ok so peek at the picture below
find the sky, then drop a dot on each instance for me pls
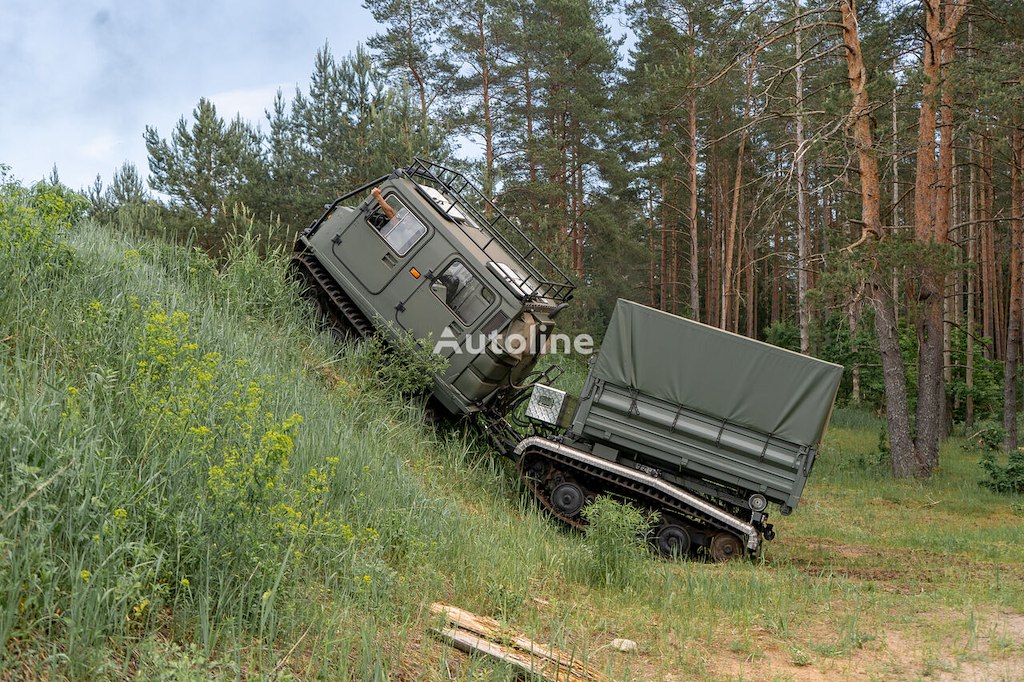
(81, 79)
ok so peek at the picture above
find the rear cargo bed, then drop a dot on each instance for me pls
(706, 405)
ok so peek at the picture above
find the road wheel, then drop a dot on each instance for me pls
(672, 541)
(725, 546)
(568, 498)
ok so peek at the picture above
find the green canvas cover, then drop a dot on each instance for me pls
(724, 375)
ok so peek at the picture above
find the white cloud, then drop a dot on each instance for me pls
(249, 103)
(83, 78)
(101, 147)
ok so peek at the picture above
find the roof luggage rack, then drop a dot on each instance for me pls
(543, 278)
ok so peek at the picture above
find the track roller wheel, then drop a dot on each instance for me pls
(672, 541)
(568, 498)
(536, 469)
(725, 546)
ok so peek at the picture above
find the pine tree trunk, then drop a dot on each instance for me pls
(651, 251)
(931, 285)
(776, 274)
(417, 76)
(1017, 217)
(853, 322)
(713, 289)
(1011, 363)
(728, 288)
(989, 300)
(692, 212)
(897, 409)
(734, 314)
(998, 283)
(673, 259)
(528, 112)
(802, 221)
(895, 163)
(944, 225)
(664, 265)
(485, 76)
(896, 406)
(578, 218)
(931, 220)
(1013, 336)
(751, 291)
(972, 279)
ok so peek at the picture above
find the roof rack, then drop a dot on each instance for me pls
(545, 279)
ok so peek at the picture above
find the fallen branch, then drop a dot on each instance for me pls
(471, 633)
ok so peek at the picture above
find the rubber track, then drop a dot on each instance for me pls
(615, 484)
(318, 276)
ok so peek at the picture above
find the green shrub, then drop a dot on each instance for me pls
(403, 364)
(783, 334)
(615, 544)
(32, 227)
(988, 436)
(1004, 478)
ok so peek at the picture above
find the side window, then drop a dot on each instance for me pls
(462, 291)
(401, 231)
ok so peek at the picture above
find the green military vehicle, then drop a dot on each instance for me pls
(704, 427)
(424, 252)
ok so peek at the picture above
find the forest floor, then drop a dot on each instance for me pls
(116, 563)
(870, 579)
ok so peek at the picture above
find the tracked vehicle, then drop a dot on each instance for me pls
(704, 427)
(424, 252)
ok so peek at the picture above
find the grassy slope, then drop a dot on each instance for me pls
(118, 560)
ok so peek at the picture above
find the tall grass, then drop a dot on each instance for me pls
(192, 460)
(160, 478)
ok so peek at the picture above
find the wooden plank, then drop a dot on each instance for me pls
(479, 634)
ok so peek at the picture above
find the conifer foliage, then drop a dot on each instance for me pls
(724, 161)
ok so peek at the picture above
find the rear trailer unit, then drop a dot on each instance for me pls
(703, 426)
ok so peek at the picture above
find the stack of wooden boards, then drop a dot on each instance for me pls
(471, 633)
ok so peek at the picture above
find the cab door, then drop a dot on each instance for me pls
(375, 244)
(448, 301)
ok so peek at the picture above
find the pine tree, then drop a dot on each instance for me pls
(206, 163)
(564, 70)
(350, 125)
(321, 120)
(409, 46)
(658, 80)
(473, 44)
(127, 186)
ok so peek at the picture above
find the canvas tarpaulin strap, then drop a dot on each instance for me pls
(723, 375)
